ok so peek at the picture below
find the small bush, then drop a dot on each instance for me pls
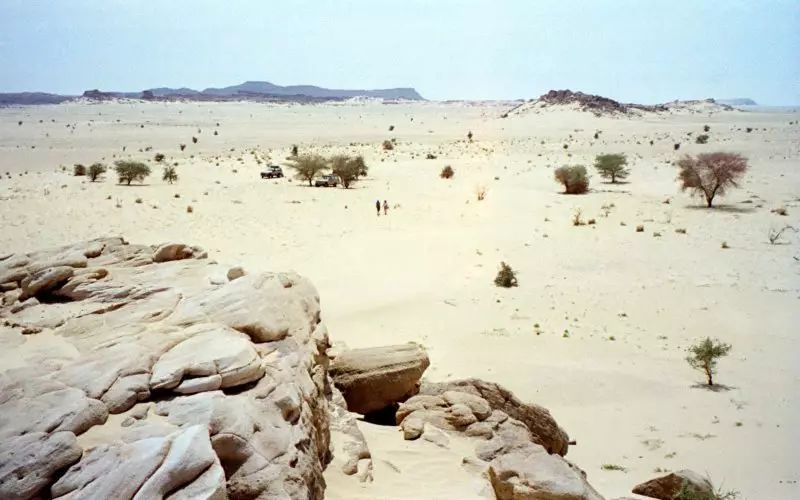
(129, 171)
(711, 174)
(391, 128)
(294, 150)
(677, 146)
(612, 166)
(706, 128)
(480, 192)
(704, 355)
(194, 140)
(79, 170)
(701, 139)
(780, 211)
(573, 178)
(387, 145)
(216, 133)
(506, 277)
(96, 170)
(640, 228)
(430, 156)
(170, 175)
(189, 209)
(576, 218)
(749, 129)
(159, 157)
(447, 172)
(183, 146)
(469, 136)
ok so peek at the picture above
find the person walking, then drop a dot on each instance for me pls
(378, 207)
(385, 207)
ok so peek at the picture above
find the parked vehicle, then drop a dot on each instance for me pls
(273, 171)
(327, 181)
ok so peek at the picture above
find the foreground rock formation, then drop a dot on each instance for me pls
(136, 376)
(151, 372)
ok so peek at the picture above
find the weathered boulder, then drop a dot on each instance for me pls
(372, 379)
(348, 445)
(667, 487)
(45, 281)
(534, 474)
(182, 464)
(29, 462)
(543, 427)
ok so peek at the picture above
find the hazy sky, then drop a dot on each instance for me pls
(632, 50)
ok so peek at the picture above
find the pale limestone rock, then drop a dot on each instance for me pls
(210, 357)
(29, 462)
(45, 281)
(235, 273)
(534, 474)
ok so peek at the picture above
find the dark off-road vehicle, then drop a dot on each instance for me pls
(327, 181)
(273, 171)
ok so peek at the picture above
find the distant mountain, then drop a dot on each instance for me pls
(739, 101)
(248, 91)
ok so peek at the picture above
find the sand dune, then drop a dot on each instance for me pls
(616, 309)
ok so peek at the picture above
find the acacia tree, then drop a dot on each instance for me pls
(703, 356)
(711, 174)
(129, 171)
(308, 166)
(612, 166)
(347, 168)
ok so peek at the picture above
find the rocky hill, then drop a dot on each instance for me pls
(604, 106)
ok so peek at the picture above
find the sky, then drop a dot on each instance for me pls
(644, 51)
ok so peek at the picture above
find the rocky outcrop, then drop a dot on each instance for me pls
(519, 446)
(374, 378)
(543, 427)
(667, 487)
(222, 390)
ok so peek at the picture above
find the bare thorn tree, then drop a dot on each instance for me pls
(711, 174)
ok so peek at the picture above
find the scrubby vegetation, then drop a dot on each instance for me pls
(573, 178)
(387, 145)
(447, 172)
(711, 174)
(96, 170)
(704, 355)
(79, 170)
(170, 175)
(129, 171)
(612, 166)
(308, 166)
(506, 277)
(480, 192)
(294, 150)
(701, 139)
(159, 157)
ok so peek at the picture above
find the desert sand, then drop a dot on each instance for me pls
(615, 308)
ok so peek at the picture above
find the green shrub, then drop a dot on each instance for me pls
(703, 356)
(129, 171)
(706, 128)
(159, 157)
(573, 178)
(96, 170)
(506, 277)
(170, 175)
(612, 166)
